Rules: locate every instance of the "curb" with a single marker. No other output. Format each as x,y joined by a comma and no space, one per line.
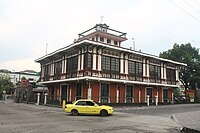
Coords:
189,130
184,129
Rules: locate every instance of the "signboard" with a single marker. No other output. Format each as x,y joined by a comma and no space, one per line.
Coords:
24,83
190,95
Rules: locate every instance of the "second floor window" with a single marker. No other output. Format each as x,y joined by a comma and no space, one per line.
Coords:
88,61
155,73
105,63
110,67
171,76
58,67
72,66
135,70
139,71
47,71
114,65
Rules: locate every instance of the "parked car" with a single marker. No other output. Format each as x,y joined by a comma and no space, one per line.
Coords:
85,106
179,99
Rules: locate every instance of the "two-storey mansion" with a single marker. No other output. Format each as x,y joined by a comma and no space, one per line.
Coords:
96,67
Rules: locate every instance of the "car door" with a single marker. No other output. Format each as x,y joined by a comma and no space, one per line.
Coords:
81,106
92,108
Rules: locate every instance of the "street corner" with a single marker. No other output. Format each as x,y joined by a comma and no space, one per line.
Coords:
188,121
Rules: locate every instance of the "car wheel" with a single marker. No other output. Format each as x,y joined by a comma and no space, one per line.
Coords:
103,113
74,112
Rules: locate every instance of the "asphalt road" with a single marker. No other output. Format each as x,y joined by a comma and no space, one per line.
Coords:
186,115
27,118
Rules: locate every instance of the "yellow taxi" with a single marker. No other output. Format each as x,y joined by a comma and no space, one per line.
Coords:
85,106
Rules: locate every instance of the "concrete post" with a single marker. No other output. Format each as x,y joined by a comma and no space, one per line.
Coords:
139,96
156,99
4,95
45,98
38,99
89,91
117,99
148,100
63,104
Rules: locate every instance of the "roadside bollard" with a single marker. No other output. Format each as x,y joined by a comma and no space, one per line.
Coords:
147,100
156,99
38,99
63,104
45,98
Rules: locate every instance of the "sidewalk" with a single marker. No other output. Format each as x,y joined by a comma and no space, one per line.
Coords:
34,106
154,106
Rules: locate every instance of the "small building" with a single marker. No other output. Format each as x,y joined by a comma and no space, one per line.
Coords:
97,67
16,77
27,92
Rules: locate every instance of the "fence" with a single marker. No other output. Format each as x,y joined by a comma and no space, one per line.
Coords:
121,101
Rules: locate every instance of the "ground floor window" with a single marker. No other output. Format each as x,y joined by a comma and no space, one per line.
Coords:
129,94
105,93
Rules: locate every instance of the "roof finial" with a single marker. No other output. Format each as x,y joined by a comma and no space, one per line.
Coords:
101,19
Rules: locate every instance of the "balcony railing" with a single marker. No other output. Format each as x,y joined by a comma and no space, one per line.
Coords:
109,76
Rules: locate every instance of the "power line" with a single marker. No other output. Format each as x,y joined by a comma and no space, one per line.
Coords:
130,20
185,11
191,6
169,34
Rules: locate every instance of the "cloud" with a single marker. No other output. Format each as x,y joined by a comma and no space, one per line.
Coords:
21,64
26,26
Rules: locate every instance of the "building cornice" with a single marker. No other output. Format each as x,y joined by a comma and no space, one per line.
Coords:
87,78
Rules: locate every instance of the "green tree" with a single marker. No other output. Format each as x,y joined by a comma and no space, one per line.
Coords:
177,92
23,78
5,83
185,53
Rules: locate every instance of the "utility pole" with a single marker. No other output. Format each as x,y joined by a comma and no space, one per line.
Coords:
133,43
46,47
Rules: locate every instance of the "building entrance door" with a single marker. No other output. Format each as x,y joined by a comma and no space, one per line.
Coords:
78,91
129,94
149,92
105,93
165,95
64,91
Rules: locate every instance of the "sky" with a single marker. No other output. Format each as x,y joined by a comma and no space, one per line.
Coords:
28,27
